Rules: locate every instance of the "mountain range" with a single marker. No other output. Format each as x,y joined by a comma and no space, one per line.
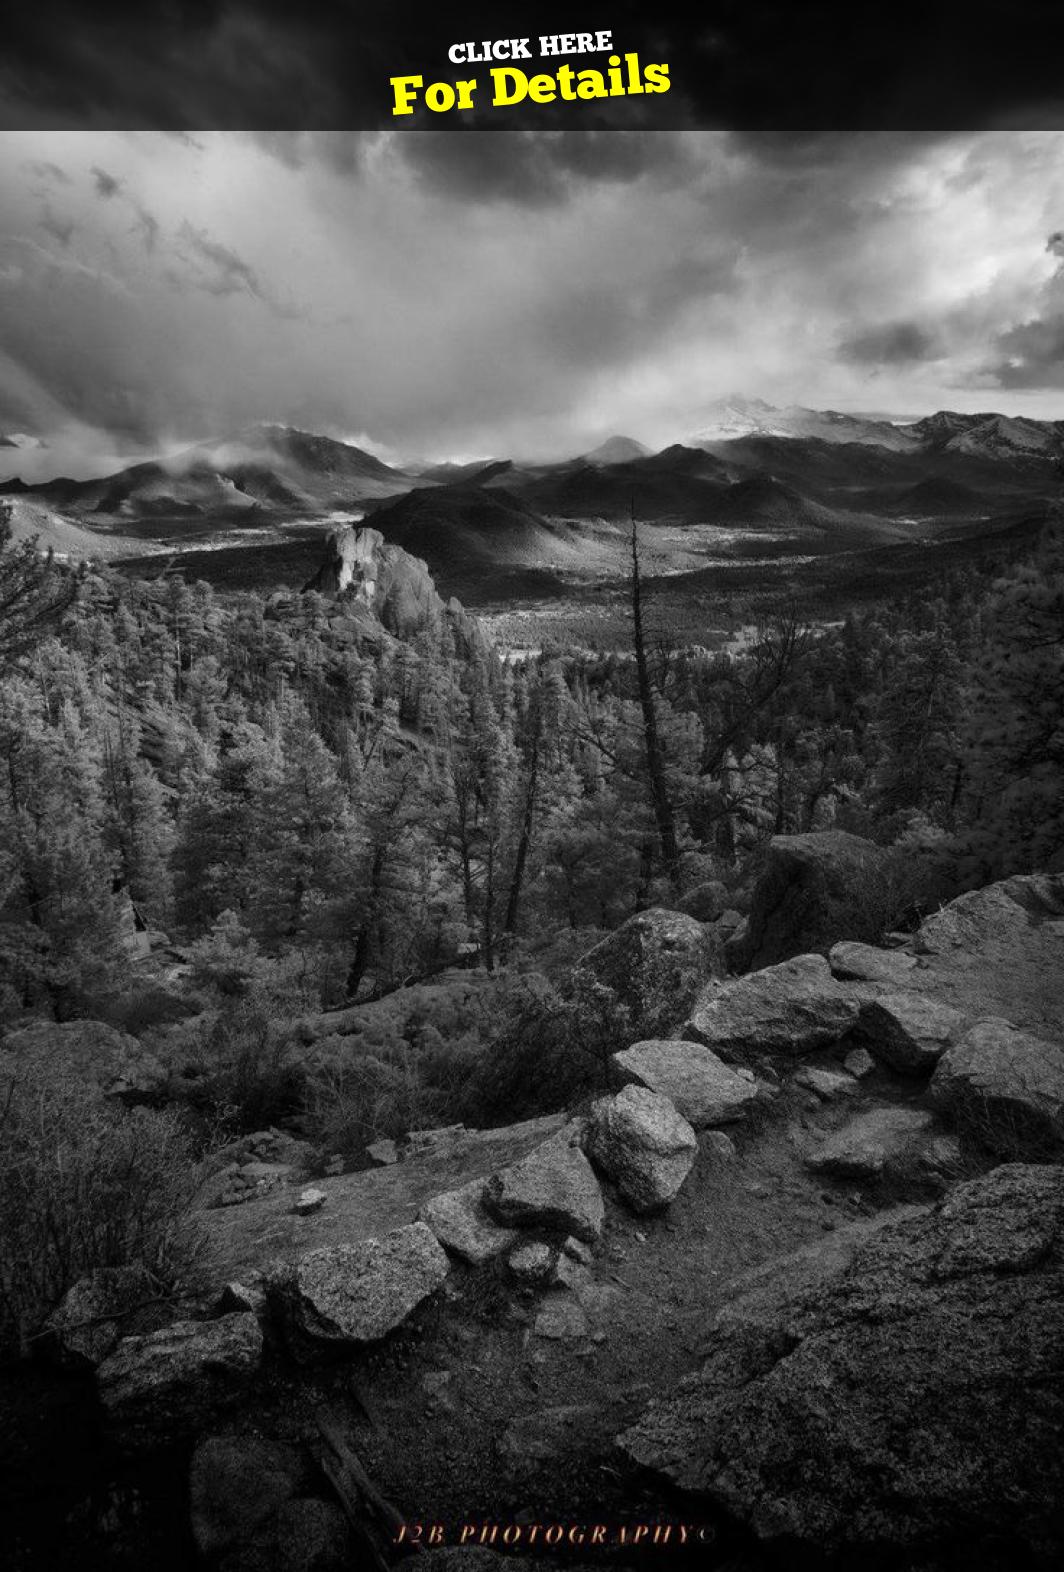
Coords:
754,479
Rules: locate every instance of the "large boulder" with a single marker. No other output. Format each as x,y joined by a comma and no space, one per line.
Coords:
358,1293
909,1032
786,1010
1006,1088
881,1141
554,1187
911,1399
812,891
169,1383
653,966
640,1142
705,1091
91,1056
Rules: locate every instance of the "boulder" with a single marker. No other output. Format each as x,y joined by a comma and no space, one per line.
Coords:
640,1142
553,1187
533,1263
853,962
236,1483
874,1143
653,966
813,890
858,1063
305,1534
911,1400
169,1383
312,1536
358,1293
89,1056
909,1032
87,1324
972,921
705,1091
1006,1088
705,902
786,1010
463,1225
826,1084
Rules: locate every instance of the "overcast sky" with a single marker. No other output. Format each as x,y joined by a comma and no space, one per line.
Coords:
498,293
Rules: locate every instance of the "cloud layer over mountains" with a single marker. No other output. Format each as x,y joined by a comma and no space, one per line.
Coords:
518,292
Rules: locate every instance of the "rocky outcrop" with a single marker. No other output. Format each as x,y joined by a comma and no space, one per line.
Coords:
786,1010
911,1399
874,1144
358,1293
813,890
653,965
553,1188
395,586
1006,1088
88,1056
640,1142
909,1032
704,1090
172,1382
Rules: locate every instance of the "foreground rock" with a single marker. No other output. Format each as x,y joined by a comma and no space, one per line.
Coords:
643,1144
654,964
87,1324
912,1399
461,1223
170,1383
909,1032
875,1143
813,890
785,1010
705,1091
554,1187
1006,1088
88,1056
855,962
236,1483
358,1293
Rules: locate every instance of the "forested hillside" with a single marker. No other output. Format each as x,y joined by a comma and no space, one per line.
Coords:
367,808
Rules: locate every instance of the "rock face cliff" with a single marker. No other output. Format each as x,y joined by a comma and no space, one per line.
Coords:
394,586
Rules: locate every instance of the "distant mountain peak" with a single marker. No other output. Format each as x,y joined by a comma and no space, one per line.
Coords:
615,450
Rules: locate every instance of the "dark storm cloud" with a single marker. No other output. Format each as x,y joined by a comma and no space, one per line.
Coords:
512,292
538,167
890,344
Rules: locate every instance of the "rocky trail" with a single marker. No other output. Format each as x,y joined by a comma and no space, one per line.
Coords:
796,1284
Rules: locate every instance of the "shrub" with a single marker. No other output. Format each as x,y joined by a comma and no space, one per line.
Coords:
84,1185
242,1073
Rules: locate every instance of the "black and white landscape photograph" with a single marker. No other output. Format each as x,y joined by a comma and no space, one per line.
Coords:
531,849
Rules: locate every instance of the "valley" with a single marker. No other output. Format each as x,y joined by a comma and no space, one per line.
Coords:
761,509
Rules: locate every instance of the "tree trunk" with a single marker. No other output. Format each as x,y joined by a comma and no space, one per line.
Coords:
663,813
